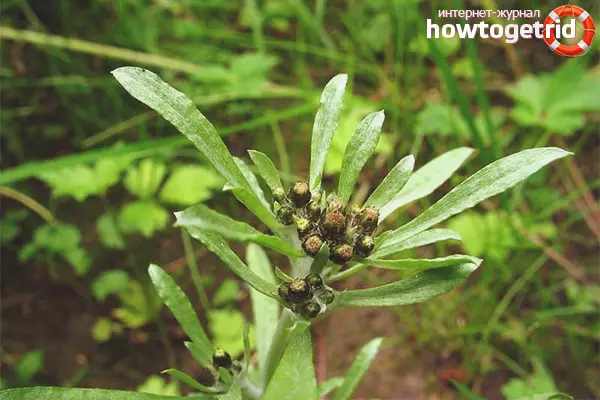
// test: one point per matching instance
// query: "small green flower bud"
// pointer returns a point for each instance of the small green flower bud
(304, 227)
(312, 245)
(299, 290)
(285, 215)
(368, 219)
(284, 291)
(327, 296)
(299, 194)
(221, 359)
(341, 254)
(313, 209)
(364, 245)
(333, 225)
(310, 310)
(315, 281)
(279, 195)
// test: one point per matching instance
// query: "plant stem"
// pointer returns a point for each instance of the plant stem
(191, 262)
(278, 345)
(29, 202)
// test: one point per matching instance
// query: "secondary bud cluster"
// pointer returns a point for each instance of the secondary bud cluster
(306, 296)
(222, 359)
(346, 232)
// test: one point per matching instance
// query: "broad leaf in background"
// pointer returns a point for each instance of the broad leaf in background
(157, 385)
(294, 378)
(145, 217)
(538, 386)
(359, 367)
(203, 218)
(542, 100)
(11, 224)
(393, 183)
(419, 287)
(487, 182)
(109, 232)
(360, 147)
(227, 327)
(421, 239)
(29, 365)
(266, 169)
(181, 308)
(325, 125)
(216, 244)
(58, 239)
(426, 179)
(264, 309)
(138, 308)
(227, 293)
(109, 282)
(57, 393)
(352, 114)
(144, 179)
(190, 184)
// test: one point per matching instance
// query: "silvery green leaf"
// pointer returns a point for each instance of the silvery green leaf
(325, 125)
(358, 369)
(216, 244)
(282, 276)
(197, 351)
(294, 378)
(63, 393)
(266, 169)
(360, 147)
(188, 380)
(419, 287)
(251, 178)
(485, 183)
(329, 385)
(426, 179)
(420, 239)
(393, 183)
(203, 218)
(257, 207)
(265, 309)
(182, 309)
(422, 264)
(180, 111)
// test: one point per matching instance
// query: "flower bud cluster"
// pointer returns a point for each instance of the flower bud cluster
(306, 296)
(222, 359)
(346, 232)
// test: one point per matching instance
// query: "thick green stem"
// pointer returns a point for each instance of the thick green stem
(279, 343)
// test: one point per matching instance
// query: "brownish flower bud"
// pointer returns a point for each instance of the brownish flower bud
(299, 290)
(284, 291)
(368, 220)
(312, 245)
(334, 225)
(364, 245)
(299, 194)
(315, 281)
(336, 204)
(341, 254)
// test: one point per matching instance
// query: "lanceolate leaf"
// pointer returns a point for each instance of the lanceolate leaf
(358, 369)
(423, 264)
(251, 178)
(219, 246)
(420, 239)
(419, 287)
(188, 380)
(182, 309)
(487, 182)
(59, 393)
(203, 218)
(427, 178)
(360, 147)
(265, 309)
(266, 169)
(326, 123)
(179, 110)
(320, 260)
(257, 207)
(393, 183)
(294, 378)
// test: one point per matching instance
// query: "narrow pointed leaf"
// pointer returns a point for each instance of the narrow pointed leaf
(216, 244)
(60, 393)
(257, 207)
(247, 348)
(426, 179)
(265, 309)
(251, 178)
(325, 125)
(198, 352)
(485, 183)
(419, 287)
(266, 169)
(294, 378)
(225, 376)
(329, 385)
(393, 183)
(182, 309)
(358, 369)
(203, 218)
(420, 239)
(188, 380)
(422, 264)
(282, 276)
(360, 147)
(320, 260)
(180, 111)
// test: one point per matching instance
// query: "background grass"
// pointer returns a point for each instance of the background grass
(527, 320)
